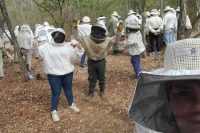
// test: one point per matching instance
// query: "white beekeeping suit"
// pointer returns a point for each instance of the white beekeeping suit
(25, 39)
(132, 18)
(8, 47)
(42, 35)
(102, 20)
(114, 20)
(188, 24)
(147, 16)
(169, 25)
(84, 28)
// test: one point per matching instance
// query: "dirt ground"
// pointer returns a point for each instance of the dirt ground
(25, 106)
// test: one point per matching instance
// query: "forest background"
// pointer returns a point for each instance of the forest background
(60, 13)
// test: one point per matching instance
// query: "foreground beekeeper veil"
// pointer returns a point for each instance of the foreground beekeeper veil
(150, 106)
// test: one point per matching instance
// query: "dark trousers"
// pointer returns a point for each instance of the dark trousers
(135, 61)
(57, 83)
(96, 71)
(82, 59)
(154, 38)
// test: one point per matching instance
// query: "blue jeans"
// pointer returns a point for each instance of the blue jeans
(82, 59)
(135, 61)
(169, 36)
(57, 83)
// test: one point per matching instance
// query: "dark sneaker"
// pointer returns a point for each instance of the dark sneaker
(89, 97)
(82, 66)
(38, 77)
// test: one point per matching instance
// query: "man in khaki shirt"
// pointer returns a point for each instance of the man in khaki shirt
(96, 46)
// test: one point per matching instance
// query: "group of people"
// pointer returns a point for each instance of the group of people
(94, 42)
(163, 30)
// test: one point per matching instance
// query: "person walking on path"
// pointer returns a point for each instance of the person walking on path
(134, 44)
(25, 40)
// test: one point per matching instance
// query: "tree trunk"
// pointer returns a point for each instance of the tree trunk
(182, 20)
(143, 24)
(14, 40)
(161, 8)
(198, 5)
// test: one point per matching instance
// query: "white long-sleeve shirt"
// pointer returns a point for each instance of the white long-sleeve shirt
(25, 39)
(84, 29)
(155, 22)
(170, 21)
(133, 18)
(58, 58)
(135, 43)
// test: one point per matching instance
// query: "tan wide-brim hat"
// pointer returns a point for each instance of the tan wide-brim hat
(25, 28)
(131, 12)
(178, 9)
(115, 14)
(147, 14)
(86, 19)
(150, 105)
(154, 12)
(168, 8)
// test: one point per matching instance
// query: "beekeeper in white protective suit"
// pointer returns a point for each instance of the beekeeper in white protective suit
(132, 16)
(25, 39)
(113, 23)
(42, 35)
(8, 47)
(188, 25)
(84, 28)
(102, 20)
(169, 25)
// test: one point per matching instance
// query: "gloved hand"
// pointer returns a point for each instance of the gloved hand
(34, 43)
(153, 31)
(158, 30)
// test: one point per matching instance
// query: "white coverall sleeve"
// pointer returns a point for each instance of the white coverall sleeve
(75, 53)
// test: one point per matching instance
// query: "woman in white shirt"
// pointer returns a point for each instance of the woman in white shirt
(58, 56)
